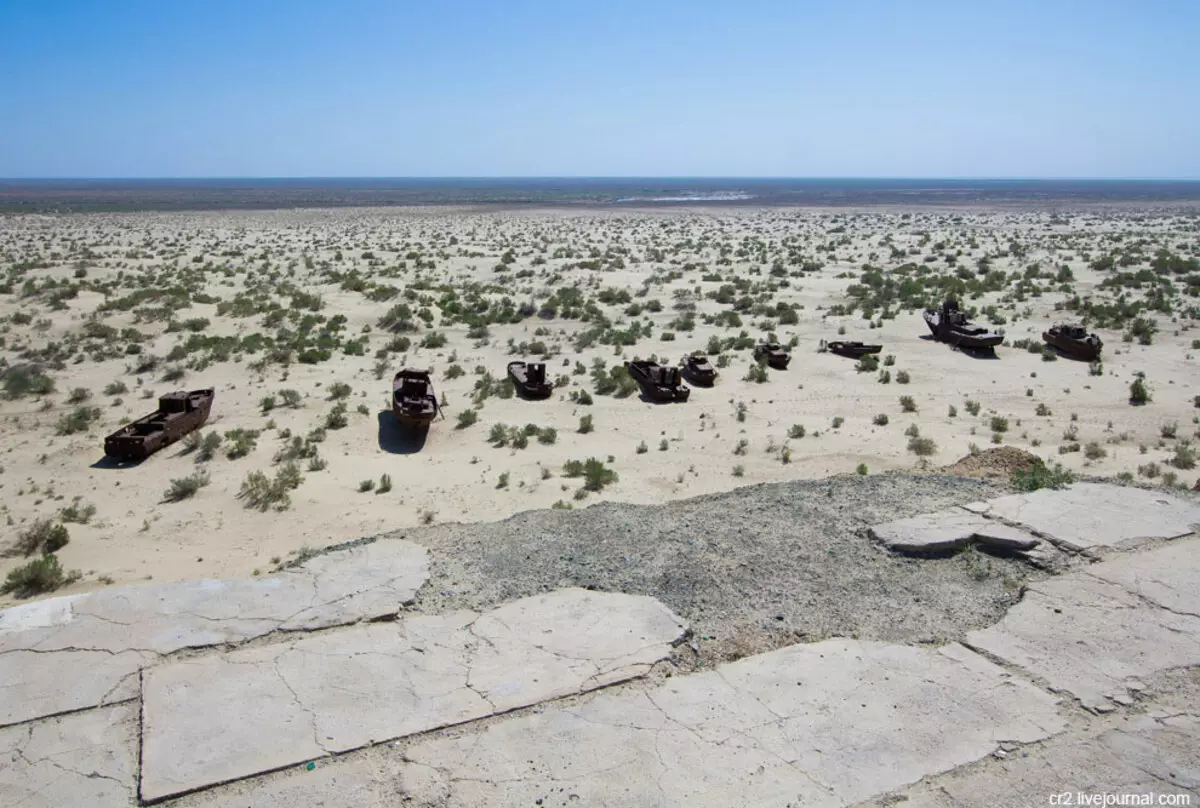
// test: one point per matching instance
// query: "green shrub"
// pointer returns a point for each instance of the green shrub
(241, 442)
(115, 388)
(907, 404)
(999, 424)
(902, 377)
(467, 418)
(862, 469)
(19, 382)
(922, 447)
(1094, 451)
(869, 363)
(207, 445)
(1185, 456)
(37, 577)
(1040, 476)
(339, 390)
(78, 420)
(1138, 392)
(547, 435)
(881, 419)
(185, 487)
(43, 536)
(797, 432)
(586, 425)
(79, 395)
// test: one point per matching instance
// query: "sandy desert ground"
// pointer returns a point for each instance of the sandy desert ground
(299, 319)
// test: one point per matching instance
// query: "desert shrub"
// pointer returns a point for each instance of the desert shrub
(573, 468)
(366, 485)
(336, 417)
(547, 435)
(902, 377)
(880, 420)
(1185, 456)
(757, 374)
(339, 390)
(37, 577)
(913, 431)
(586, 425)
(1049, 354)
(1041, 476)
(78, 420)
(115, 388)
(1139, 393)
(1169, 430)
(884, 377)
(263, 493)
(77, 512)
(907, 404)
(467, 418)
(952, 411)
(861, 469)
(20, 381)
(1094, 451)
(266, 404)
(43, 536)
(207, 445)
(797, 432)
(241, 442)
(1043, 410)
(290, 398)
(999, 424)
(79, 395)
(498, 435)
(838, 421)
(185, 487)
(739, 471)
(922, 447)
(869, 363)
(434, 339)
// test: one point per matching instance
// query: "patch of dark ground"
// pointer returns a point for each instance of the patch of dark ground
(752, 569)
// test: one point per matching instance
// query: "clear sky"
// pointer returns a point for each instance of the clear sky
(845, 88)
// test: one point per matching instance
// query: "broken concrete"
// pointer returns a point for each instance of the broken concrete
(1084, 516)
(825, 724)
(95, 643)
(1156, 754)
(951, 529)
(82, 759)
(1095, 633)
(221, 717)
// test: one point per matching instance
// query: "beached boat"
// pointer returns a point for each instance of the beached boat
(658, 383)
(853, 349)
(950, 325)
(1074, 340)
(698, 369)
(178, 414)
(414, 402)
(773, 354)
(530, 379)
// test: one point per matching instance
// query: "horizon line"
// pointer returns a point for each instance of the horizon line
(65, 178)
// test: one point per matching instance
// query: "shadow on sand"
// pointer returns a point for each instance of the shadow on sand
(396, 438)
(974, 353)
(107, 462)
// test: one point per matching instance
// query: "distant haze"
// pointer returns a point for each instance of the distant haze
(303, 88)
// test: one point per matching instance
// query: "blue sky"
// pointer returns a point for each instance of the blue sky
(146, 88)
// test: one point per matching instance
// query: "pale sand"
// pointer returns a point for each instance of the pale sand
(135, 535)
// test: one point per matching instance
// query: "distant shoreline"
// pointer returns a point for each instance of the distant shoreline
(132, 195)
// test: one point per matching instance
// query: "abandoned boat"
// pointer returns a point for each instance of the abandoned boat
(698, 369)
(950, 325)
(853, 349)
(414, 402)
(658, 383)
(178, 414)
(773, 354)
(530, 379)
(1074, 340)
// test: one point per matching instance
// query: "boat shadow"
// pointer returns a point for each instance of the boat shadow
(396, 438)
(974, 353)
(113, 463)
(1064, 355)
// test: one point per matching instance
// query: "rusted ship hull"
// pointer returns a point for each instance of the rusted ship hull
(530, 379)
(962, 336)
(178, 414)
(658, 383)
(853, 349)
(1086, 349)
(414, 402)
(701, 373)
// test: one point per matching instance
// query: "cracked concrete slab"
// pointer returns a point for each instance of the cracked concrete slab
(217, 718)
(1083, 516)
(87, 758)
(823, 724)
(1154, 754)
(1096, 632)
(950, 529)
(96, 642)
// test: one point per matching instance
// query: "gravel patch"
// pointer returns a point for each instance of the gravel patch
(751, 569)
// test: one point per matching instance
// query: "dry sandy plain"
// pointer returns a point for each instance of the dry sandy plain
(116, 309)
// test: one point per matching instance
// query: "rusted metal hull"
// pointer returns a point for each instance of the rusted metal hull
(774, 357)
(698, 372)
(658, 383)
(853, 349)
(528, 384)
(962, 336)
(414, 402)
(178, 414)
(1085, 349)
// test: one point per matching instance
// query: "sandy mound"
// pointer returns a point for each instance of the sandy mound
(999, 462)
